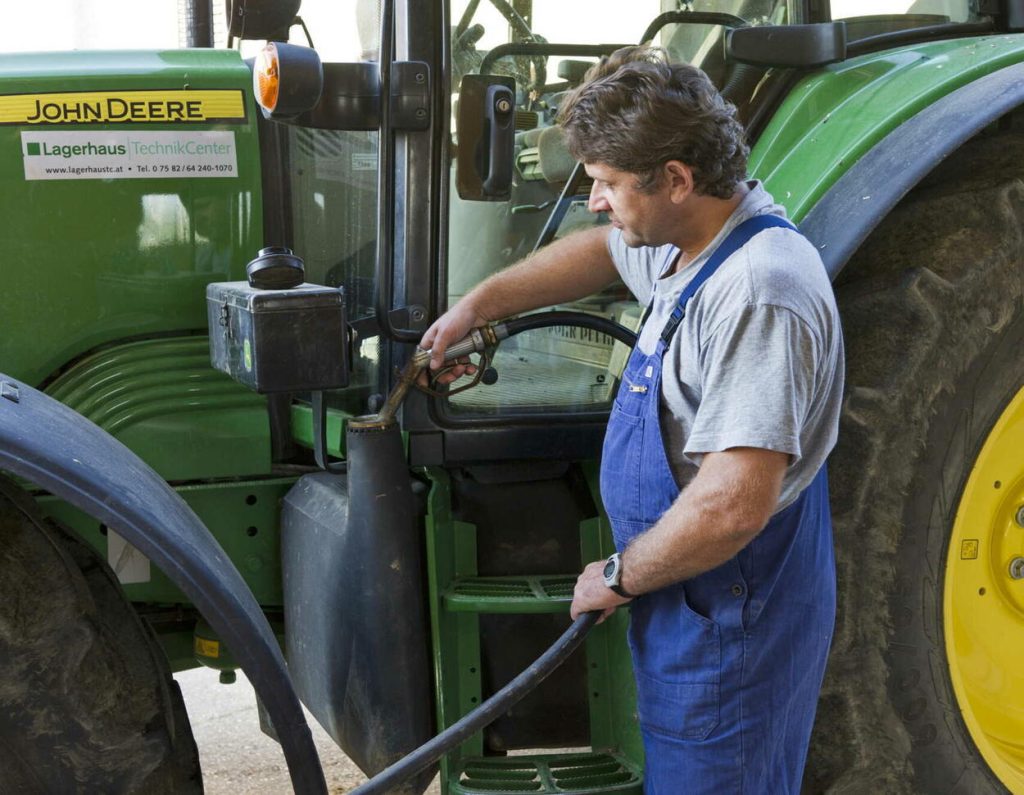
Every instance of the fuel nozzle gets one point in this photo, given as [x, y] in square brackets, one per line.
[477, 341]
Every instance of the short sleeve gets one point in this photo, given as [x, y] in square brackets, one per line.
[757, 371]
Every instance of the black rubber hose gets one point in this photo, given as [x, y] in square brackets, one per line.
[486, 713]
[544, 319]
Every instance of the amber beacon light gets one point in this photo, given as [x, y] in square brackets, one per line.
[287, 80]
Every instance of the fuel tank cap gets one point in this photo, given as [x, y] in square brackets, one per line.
[275, 268]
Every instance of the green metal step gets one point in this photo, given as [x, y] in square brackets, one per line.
[548, 774]
[543, 594]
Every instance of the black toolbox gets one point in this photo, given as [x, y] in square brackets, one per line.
[293, 340]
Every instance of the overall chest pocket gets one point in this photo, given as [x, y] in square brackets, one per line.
[620, 465]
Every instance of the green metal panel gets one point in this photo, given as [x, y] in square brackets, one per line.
[549, 774]
[455, 637]
[162, 399]
[614, 722]
[243, 516]
[178, 646]
[88, 261]
[549, 594]
[834, 116]
[302, 428]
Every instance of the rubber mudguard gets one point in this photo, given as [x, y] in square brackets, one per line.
[357, 638]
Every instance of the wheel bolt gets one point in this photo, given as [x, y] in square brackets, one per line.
[1017, 568]
[1020, 516]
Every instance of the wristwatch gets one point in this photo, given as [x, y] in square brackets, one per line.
[613, 574]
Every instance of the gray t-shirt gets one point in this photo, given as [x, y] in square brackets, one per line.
[758, 358]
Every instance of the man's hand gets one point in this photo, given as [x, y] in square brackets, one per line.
[451, 327]
[592, 594]
[568, 269]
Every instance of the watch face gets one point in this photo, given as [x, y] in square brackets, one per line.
[609, 569]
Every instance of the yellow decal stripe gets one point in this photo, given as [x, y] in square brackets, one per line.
[113, 107]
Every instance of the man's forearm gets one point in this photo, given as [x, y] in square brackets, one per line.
[566, 270]
[720, 512]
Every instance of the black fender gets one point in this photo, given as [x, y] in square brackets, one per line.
[848, 212]
[57, 449]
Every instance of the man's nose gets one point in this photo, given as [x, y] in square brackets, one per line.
[597, 202]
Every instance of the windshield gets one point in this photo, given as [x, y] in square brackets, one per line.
[903, 13]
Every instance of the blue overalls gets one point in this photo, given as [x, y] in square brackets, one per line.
[729, 663]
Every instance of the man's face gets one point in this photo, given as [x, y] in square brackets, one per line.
[643, 217]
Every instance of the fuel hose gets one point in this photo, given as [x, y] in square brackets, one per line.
[428, 753]
[560, 318]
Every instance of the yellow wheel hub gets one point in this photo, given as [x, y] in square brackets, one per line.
[983, 599]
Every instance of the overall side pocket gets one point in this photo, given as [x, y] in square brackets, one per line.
[677, 655]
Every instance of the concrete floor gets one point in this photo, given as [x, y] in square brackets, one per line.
[237, 758]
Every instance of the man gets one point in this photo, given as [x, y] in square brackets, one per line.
[713, 472]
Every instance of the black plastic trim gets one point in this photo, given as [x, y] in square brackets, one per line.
[864, 195]
[1013, 15]
[275, 166]
[816, 11]
[773, 91]
[529, 438]
[899, 38]
[199, 23]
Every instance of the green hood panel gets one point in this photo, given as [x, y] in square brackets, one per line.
[97, 255]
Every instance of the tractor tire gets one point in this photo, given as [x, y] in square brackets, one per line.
[933, 315]
[87, 701]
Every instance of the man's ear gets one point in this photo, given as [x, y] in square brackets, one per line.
[680, 180]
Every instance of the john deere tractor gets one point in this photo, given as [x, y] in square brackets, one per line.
[218, 261]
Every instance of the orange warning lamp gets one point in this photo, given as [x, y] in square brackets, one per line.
[287, 80]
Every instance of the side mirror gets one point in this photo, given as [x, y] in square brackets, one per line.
[261, 19]
[788, 46]
[484, 160]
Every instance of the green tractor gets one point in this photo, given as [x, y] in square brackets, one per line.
[393, 573]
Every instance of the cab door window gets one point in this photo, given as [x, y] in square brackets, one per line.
[560, 370]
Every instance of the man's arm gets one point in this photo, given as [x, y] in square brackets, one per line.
[566, 270]
[728, 502]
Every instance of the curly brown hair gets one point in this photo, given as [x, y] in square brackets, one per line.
[635, 112]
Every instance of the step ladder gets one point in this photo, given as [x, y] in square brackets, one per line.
[458, 596]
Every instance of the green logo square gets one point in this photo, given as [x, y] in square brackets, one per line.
[32, 149]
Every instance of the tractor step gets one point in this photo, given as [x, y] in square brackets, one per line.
[526, 594]
[587, 773]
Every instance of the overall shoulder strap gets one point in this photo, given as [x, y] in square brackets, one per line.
[733, 242]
